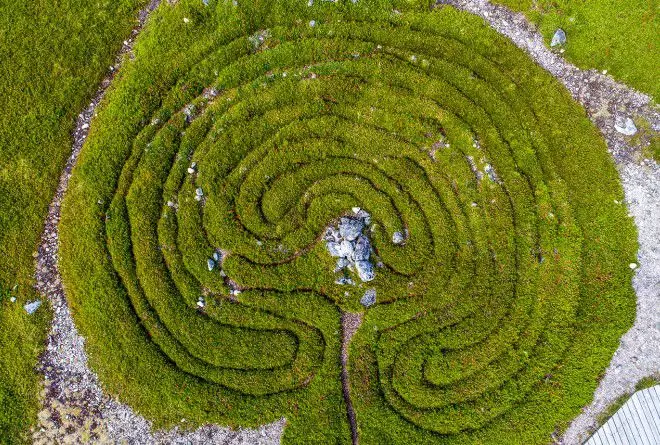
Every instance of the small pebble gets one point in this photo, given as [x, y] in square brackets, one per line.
[32, 306]
[210, 263]
[397, 238]
[369, 298]
[559, 38]
[625, 126]
[633, 266]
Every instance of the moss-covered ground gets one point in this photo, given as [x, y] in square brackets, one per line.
[620, 36]
[52, 58]
[493, 321]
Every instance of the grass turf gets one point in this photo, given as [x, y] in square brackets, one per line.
[493, 321]
[620, 36]
[52, 58]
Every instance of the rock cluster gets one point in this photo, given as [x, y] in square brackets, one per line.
[351, 246]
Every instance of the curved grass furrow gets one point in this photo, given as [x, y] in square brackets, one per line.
[224, 155]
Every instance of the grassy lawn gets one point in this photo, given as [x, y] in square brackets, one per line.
[620, 36]
[492, 322]
[52, 58]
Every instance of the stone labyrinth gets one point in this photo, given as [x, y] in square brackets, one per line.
[194, 234]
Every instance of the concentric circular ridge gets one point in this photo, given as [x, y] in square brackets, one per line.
[192, 241]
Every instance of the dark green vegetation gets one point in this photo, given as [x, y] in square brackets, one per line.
[621, 36]
[21, 340]
[493, 321]
[52, 57]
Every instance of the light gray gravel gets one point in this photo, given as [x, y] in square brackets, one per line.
[607, 102]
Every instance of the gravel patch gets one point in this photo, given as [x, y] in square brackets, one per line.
[607, 103]
[75, 409]
[350, 323]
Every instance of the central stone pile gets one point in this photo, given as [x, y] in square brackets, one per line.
[348, 243]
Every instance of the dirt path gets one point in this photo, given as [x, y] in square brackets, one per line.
[350, 323]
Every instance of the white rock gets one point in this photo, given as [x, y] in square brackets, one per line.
[369, 298]
[365, 270]
[633, 266]
[559, 38]
[346, 249]
[625, 126]
[350, 228]
[334, 249]
[397, 238]
[32, 306]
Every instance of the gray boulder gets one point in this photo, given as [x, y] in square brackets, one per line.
[625, 126]
[346, 249]
[397, 238]
[369, 298]
[365, 270]
[342, 263]
[559, 38]
[332, 235]
[210, 263]
[362, 249]
[334, 249]
[350, 228]
[32, 306]
[343, 280]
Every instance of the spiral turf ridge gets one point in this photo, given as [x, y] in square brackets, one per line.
[492, 320]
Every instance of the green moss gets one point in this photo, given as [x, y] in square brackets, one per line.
[619, 36]
[53, 56]
[647, 140]
[492, 322]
